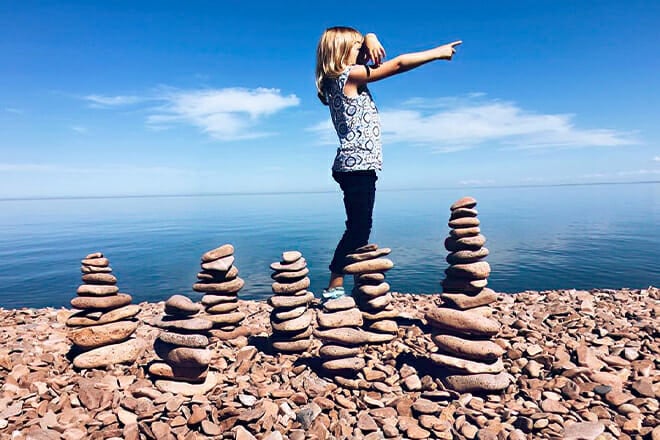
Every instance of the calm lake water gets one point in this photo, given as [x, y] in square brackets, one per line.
[605, 236]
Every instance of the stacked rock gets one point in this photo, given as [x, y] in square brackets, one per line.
[182, 345]
[462, 328]
[372, 292]
[220, 284]
[291, 317]
[339, 330]
[102, 329]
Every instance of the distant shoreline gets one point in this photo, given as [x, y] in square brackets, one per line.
[277, 193]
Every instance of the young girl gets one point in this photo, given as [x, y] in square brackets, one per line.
[342, 75]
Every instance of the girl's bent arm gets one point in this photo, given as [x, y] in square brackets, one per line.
[402, 63]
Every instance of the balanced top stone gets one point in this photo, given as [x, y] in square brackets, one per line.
[368, 255]
[465, 202]
[290, 256]
[181, 305]
[366, 248]
[94, 255]
[223, 251]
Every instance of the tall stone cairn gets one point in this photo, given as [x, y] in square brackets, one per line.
[183, 347]
[101, 331]
[462, 327]
[339, 329]
[372, 292]
[219, 282]
[291, 316]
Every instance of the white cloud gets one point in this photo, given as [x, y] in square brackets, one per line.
[457, 123]
[101, 101]
[656, 159]
[16, 111]
[79, 129]
[224, 114]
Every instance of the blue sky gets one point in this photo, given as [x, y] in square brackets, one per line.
[125, 98]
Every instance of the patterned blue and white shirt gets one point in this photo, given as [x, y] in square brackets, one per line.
[357, 125]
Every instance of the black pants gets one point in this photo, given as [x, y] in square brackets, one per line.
[359, 189]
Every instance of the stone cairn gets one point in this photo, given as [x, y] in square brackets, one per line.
[462, 327]
[339, 329]
[220, 284]
[291, 316]
[372, 292]
[183, 347]
[101, 331]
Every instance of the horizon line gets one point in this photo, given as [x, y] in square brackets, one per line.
[272, 193]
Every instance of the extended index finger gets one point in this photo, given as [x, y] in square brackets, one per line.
[456, 43]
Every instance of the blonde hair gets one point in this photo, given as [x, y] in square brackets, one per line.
[332, 54]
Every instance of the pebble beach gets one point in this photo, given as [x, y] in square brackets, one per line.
[582, 365]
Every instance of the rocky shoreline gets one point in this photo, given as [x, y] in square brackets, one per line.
[583, 364]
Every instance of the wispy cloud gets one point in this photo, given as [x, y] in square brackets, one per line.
[14, 110]
[224, 114]
[656, 159]
[79, 129]
[457, 123]
[103, 101]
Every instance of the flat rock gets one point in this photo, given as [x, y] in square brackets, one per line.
[104, 334]
[187, 389]
[294, 325]
[213, 299]
[465, 322]
[478, 382]
[221, 264]
[371, 278]
[294, 346]
[465, 243]
[383, 326]
[94, 255]
[375, 265]
[282, 314]
[352, 258]
[220, 252]
[464, 202]
[99, 278]
[462, 301]
[222, 319]
[387, 313]
[96, 262]
[472, 271]
[290, 257]
[344, 364]
[194, 324]
[124, 352]
[289, 288]
[343, 318]
[464, 222]
[343, 303]
[346, 336]
[379, 302]
[217, 275]
[231, 286]
[366, 248]
[181, 305]
[304, 333]
[83, 318]
[583, 431]
[295, 275]
[297, 265]
[278, 301]
[464, 232]
[467, 366]
[101, 302]
[182, 356]
[373, 291]
[463, 285]
[463, 212]
[468, 349]
[95, 269]
[97, 290]
[184, 340]
[162, 369]
[337, 351]
[223, 307]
